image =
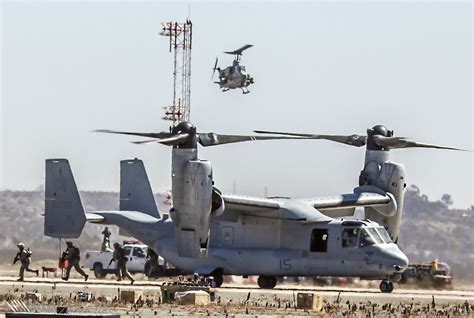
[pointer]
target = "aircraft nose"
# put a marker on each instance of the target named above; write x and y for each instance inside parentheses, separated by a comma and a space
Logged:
(400, 261)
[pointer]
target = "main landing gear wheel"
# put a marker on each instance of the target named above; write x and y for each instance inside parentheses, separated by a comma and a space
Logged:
(386, 286)
(218, 280)
(267, 282)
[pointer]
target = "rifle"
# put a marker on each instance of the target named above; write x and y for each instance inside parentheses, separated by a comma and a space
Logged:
(17, 257)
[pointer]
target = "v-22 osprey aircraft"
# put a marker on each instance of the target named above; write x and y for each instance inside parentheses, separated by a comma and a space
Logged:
(215, 234)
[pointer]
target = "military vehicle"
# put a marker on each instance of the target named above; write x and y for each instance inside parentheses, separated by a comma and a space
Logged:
(214, 234)
(235, 75)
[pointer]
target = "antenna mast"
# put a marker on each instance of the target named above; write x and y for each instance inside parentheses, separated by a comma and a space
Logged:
(181, 39)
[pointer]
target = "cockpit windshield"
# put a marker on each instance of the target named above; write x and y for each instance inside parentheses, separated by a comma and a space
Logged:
(364, 236)
(384, 234)
(369, 236)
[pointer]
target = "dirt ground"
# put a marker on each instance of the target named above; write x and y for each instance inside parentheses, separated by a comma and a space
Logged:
(237, 298)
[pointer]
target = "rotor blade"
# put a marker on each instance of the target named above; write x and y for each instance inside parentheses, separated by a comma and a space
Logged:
(239, 51)
(170, 141)
(402, 142)
(150, 135)
(212, 139)
(214, 69)
(352, 140)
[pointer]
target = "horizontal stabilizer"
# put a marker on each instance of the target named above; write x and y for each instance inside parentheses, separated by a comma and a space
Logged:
(94, 218)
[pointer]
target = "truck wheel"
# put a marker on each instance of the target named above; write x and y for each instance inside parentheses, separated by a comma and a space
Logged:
(98, 270)
(267, 282)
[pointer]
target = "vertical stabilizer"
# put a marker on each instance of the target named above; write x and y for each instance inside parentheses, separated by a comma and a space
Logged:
(64, 214)
(135, 189)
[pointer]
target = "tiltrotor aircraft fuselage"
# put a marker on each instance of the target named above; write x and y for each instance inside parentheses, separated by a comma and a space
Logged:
(215, 234)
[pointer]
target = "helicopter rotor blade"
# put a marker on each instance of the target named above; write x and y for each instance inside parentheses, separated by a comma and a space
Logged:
(214, 68)
(358, 140)
(402, 142)
(213, 139)
(240, 50)
(165, 138)
(158, 135)
(170, 141)
(351, 140)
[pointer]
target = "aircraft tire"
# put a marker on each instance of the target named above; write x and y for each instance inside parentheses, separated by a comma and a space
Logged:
(218, 280)
(267, 282)
(386, 286)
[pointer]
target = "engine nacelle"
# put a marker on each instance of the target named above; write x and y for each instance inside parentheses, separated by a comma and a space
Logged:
(218, 205)
(192, 192)
(389, 177)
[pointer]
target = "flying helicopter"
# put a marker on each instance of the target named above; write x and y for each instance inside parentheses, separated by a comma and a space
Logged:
(234, 76)
(215, 234)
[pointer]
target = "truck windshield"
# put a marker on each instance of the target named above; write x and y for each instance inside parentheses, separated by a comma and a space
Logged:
(369, 236)
(384, 234)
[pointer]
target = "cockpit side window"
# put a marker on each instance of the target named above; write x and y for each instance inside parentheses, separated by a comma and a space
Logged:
(350, 237)
(384, 234)
(369, 236)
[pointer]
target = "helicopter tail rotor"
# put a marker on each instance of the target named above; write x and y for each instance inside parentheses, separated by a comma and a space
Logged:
(215, 68)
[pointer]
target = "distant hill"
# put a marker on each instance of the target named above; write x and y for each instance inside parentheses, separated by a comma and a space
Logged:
(430, 229)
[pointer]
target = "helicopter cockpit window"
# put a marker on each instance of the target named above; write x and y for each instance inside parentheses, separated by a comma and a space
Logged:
(384, 234)
(369, 236)
(350, 237)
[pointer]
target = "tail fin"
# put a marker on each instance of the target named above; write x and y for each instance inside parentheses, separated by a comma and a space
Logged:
(135, 189)
(64, 214)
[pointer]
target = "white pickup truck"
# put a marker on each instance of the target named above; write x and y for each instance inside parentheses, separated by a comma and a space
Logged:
(98, 261)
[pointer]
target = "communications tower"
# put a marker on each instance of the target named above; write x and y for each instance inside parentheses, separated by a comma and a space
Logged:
(180, 43)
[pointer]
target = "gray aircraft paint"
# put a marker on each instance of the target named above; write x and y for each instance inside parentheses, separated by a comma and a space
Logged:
(272, 238)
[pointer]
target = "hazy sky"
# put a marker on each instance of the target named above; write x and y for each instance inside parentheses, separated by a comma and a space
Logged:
(324, 67)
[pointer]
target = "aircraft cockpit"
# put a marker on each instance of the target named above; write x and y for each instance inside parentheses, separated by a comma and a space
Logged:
(358, 234)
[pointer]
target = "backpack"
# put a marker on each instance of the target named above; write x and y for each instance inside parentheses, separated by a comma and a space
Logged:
(29, 252)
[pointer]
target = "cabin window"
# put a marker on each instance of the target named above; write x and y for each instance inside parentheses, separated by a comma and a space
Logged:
(319, 240)
(350, 237)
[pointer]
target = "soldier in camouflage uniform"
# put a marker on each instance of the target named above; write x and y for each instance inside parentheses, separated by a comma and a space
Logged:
(24, 256)
(73, 256)
(121, 259)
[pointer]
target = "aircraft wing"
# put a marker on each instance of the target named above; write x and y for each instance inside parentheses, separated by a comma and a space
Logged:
(344, 204)
(275, 208)
(254, 204)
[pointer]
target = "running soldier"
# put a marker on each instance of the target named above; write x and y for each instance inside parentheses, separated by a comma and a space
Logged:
(121, 259)
(73, 256)
(24, 256)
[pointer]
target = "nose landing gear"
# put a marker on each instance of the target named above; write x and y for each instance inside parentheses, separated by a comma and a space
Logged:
(386, 286)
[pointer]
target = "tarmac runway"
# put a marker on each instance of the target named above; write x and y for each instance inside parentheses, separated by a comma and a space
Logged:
(238, 292)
